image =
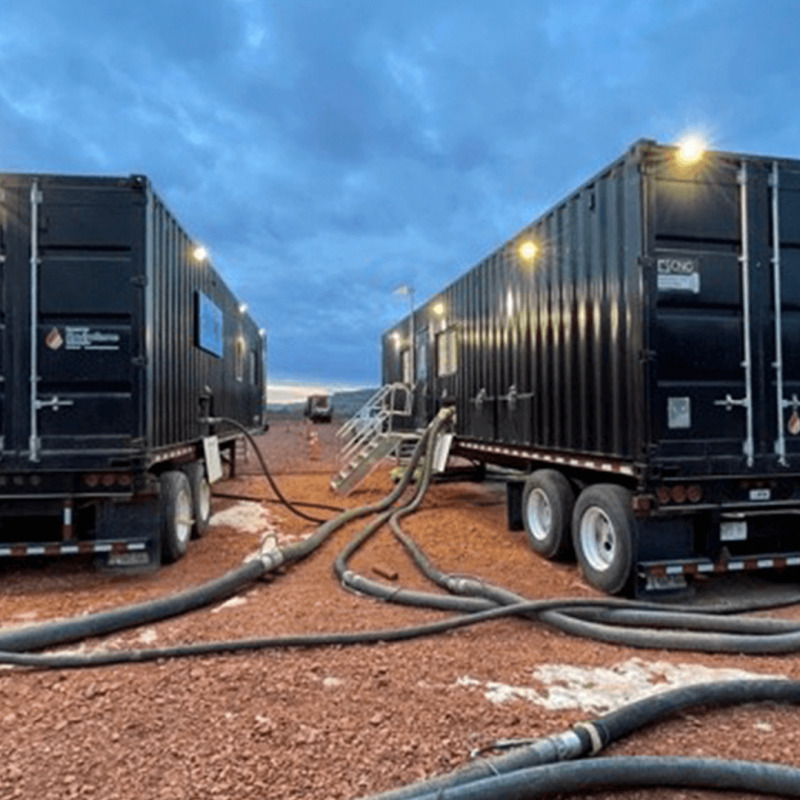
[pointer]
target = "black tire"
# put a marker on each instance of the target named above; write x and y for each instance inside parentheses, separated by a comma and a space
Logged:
(547, 503)
(176, 515)
(201, 497)
(602, 534)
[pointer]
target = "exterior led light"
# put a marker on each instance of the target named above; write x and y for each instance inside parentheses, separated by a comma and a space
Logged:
(528, 250)
(438, 308)
(243, 308)
(691, 149)
(200, 253)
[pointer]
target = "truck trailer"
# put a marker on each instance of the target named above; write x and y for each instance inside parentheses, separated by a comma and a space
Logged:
(128, 371)
(633, 356)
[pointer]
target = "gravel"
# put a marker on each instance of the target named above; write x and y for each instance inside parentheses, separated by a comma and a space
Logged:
(339, 722)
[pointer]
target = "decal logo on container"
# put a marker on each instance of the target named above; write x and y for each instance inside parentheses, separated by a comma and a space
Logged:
(54, 340)
(678, 275)
(84, 338)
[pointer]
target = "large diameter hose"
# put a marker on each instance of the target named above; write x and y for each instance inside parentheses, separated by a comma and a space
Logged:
(640, 771)
(589, 738)
(266, 560)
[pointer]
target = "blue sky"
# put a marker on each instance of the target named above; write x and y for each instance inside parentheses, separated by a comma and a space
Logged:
(326, 151)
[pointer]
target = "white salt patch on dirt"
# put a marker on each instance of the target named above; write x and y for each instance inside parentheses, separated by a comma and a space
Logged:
(246, 517)
(148, 636)
(601, 689)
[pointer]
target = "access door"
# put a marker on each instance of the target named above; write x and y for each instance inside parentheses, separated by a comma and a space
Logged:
(72, 302)
(725, 316)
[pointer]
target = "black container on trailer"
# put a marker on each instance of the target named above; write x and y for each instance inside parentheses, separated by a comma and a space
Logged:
(116, 342)
(644, 332)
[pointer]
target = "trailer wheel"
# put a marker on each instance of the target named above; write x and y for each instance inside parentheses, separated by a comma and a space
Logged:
(201, 497)
(602, 533)
(176, 508)
(547, 503)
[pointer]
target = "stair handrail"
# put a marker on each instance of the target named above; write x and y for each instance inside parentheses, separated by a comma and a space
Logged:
(377, 406)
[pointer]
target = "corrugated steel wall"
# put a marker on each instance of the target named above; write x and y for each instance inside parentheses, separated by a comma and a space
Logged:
(181, 371)
(549, 348)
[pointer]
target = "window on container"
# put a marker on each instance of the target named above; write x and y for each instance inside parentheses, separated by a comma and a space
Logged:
(422, 357)
(240, 356)
(446, 353)
(208, 325)
(405, 366)
(254, 367)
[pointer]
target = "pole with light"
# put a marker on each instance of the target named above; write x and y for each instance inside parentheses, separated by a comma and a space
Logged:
(408, 290)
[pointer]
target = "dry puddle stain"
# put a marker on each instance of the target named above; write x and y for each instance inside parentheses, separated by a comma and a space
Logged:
(601, 689)
(246, 518)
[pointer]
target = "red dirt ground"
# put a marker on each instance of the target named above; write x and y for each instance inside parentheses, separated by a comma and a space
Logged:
(336, 722)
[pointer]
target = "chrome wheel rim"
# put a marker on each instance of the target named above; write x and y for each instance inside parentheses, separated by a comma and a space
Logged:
(540, 515)
(598, 539)
(183, 518)
(204, 501)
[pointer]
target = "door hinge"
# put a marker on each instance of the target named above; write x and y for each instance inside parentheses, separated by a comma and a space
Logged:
(139, 361)
(139, 280)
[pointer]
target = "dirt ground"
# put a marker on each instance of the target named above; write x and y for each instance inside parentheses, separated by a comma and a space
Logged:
(337, 722)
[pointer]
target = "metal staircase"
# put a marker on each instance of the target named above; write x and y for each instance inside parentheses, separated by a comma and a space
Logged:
(370, 436)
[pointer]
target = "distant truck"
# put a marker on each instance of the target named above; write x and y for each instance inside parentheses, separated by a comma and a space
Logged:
(127, 368)
(634, 354)
(318, 408)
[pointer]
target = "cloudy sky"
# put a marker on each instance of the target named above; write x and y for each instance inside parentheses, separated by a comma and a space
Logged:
(326, 151)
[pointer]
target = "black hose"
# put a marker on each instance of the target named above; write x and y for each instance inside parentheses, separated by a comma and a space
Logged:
(303, 503)
(75, 660)
(296, 511)
(62, 631)
(630, 623)
(629, 771)
(589, 738)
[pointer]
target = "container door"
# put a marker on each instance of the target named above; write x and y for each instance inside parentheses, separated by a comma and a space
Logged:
(77, 300)
(422, 384)
(785, 313)
(726, 313)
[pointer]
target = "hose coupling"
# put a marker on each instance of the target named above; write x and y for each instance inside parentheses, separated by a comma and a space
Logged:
(270, 555)
(593, 733)
(565, 746)
(349, 578)
(463, 586)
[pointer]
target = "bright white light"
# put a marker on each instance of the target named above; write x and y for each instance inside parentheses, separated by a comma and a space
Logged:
(438, 308)
(200, 253)
(528, 250)
(691, 149)
(243, 308)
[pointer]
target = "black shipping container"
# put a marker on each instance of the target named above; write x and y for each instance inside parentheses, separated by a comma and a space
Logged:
(636, 350)
(118, 343)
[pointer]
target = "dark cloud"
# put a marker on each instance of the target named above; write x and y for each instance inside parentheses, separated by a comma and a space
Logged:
(327, 150)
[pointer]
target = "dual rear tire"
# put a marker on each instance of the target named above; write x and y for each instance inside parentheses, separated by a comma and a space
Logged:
(597, 527)
(185, 509)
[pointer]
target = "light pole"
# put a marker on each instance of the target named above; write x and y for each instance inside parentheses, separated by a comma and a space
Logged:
(408, 289)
